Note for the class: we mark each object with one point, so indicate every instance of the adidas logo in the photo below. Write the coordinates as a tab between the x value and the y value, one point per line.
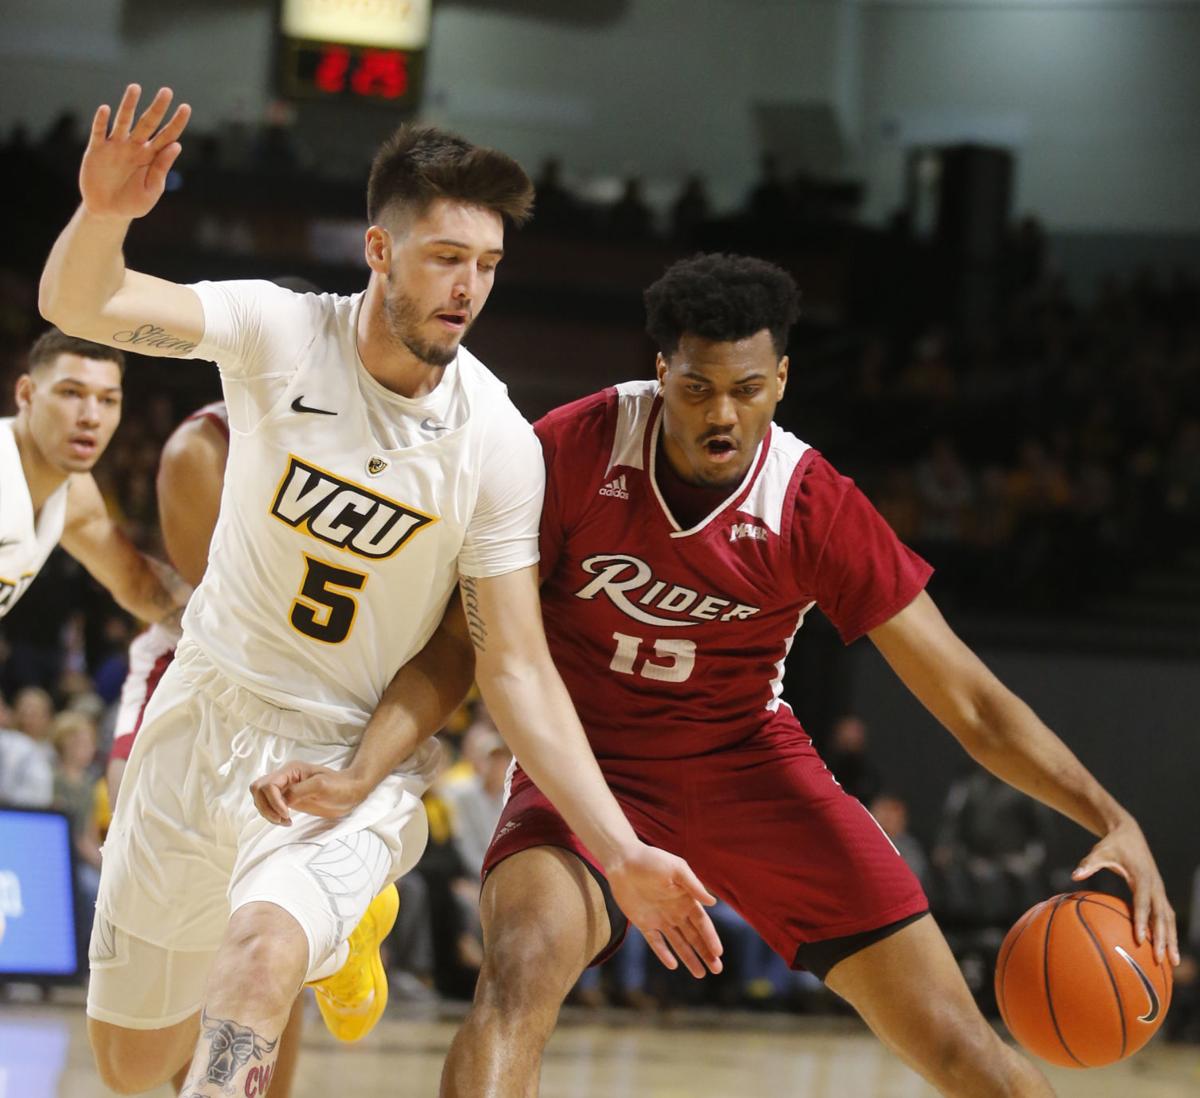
616	488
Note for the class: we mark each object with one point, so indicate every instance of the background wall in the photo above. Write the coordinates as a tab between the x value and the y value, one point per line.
1132	720
1097	96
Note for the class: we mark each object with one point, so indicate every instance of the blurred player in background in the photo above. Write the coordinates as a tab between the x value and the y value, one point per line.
373	464
68	406
191	473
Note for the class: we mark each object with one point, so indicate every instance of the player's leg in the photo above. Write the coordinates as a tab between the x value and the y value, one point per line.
851	911
544	920
161	905
909	990
130	1061
299	896
255	978
284	1075
143	1007
289	1052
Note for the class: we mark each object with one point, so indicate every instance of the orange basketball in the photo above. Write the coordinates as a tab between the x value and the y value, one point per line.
1073	985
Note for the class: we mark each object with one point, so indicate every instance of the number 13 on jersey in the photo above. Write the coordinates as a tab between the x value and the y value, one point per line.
672	660
323	609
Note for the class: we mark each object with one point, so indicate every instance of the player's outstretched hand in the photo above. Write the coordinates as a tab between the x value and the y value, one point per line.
664	899
1124	850
125	166
306	787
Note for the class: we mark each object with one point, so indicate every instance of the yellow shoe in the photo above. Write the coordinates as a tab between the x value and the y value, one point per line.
353	999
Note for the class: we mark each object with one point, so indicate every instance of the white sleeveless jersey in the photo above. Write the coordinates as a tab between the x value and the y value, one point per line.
334	556
24	544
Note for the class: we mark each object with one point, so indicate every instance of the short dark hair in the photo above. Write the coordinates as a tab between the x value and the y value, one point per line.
723	298
419	164
52	343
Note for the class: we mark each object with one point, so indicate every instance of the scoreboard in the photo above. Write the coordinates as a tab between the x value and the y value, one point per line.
366	50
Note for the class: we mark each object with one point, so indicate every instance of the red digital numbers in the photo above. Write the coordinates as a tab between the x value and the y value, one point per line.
374	74
331	69
382	73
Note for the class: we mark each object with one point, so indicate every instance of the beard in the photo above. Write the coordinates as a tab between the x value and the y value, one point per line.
403	317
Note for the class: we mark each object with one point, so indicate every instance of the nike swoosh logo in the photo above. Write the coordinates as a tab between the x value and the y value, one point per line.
1155	1006
298	405
427	424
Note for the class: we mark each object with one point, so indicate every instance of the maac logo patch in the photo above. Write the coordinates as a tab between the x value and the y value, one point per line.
344	514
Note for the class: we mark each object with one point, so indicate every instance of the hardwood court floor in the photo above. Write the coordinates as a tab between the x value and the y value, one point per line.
44	1054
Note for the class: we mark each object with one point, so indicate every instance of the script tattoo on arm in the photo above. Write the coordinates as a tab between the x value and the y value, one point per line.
475	626
231	1047
151	335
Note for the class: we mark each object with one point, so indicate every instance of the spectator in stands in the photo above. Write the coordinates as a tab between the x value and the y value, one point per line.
473	753
945	492
74	737
26	768
558	210
768	205
33	713
991	851
475	803
848	761
891	812
630	218
457	953
690	210
410	947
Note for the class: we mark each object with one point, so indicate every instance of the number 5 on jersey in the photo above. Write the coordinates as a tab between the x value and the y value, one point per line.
673	662
321	610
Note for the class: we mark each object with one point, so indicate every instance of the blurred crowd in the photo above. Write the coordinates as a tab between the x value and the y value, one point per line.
983	865
1045	461
1053	465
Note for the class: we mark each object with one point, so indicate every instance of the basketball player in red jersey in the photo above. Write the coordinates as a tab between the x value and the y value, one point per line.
683	540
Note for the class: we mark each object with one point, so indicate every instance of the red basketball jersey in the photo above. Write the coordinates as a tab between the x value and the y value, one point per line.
672	641
216	413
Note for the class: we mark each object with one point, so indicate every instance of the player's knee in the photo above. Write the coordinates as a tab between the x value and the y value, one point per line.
523	973
970	1058
265	957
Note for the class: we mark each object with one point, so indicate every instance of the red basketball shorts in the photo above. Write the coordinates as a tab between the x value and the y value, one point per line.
763	825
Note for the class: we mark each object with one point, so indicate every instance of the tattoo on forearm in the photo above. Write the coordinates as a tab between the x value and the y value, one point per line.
231	1047
475	626
151	335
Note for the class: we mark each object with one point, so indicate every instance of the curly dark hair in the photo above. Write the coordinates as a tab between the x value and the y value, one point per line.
419	164
722	298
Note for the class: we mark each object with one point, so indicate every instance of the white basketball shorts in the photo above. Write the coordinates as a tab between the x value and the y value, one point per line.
187	847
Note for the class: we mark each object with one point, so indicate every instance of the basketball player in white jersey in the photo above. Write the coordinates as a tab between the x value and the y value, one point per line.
68	406
374	464
191	475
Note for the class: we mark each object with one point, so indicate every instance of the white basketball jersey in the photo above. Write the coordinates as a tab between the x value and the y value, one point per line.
333	557
24	544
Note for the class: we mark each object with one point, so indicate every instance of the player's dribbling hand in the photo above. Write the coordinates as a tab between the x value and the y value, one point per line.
1124	850
125	167
664	899
306	787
